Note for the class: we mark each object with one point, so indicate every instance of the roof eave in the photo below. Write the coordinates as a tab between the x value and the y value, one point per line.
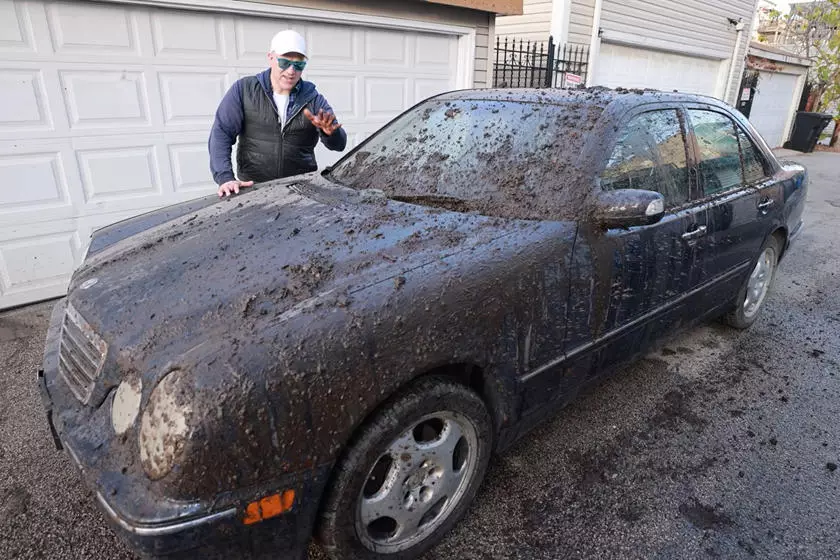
756	49
500	7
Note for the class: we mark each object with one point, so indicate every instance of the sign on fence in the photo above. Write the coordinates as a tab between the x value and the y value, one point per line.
573	79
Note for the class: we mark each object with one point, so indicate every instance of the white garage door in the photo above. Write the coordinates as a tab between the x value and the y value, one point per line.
633	67
772	106
106	110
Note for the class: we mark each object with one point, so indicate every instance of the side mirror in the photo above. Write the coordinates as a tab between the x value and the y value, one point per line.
627	208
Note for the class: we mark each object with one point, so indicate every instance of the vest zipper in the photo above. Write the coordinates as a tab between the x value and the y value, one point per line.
283	135
282	160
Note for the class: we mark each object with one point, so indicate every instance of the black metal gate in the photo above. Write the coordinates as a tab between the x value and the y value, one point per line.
534	64
746	94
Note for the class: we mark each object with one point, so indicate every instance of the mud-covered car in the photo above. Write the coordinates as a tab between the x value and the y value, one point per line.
339	354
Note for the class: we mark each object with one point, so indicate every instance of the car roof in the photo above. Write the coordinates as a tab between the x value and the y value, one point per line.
598	96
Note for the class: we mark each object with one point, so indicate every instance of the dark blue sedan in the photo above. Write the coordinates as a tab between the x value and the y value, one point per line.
338	355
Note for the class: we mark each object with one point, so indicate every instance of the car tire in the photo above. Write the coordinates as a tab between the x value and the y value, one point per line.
409	475
753	293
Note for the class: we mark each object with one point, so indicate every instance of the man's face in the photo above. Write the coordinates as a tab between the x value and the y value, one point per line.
289	77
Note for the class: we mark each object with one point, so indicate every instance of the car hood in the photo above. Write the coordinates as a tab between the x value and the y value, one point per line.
208	264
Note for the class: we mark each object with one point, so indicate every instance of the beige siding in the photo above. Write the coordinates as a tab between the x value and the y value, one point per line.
534	24
580	21
422	11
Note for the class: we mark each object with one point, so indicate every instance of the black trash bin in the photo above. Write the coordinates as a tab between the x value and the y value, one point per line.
807	129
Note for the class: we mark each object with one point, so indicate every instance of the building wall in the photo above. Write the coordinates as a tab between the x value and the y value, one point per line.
422	11
533	25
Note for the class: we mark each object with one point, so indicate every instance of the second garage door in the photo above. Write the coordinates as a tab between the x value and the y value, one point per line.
771	109
635	67
106	112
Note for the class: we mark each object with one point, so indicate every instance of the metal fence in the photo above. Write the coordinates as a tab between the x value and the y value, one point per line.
521	64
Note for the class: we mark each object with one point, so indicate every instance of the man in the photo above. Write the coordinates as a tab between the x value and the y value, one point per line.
278	119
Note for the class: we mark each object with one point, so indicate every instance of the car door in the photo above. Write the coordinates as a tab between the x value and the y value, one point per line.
630	285
742	196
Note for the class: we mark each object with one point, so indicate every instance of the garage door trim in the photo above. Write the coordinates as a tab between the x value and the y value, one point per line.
466	35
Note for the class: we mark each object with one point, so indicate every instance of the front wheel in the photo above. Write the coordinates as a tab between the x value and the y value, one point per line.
410	474
753	293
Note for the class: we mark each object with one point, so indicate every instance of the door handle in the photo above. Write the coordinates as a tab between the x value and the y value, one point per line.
765	205
700	231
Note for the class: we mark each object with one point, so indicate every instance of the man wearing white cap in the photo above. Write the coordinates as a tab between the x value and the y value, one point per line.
276	117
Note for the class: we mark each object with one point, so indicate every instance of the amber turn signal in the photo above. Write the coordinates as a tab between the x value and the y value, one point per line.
268	507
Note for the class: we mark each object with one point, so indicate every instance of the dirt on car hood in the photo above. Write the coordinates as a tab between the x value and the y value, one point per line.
261	253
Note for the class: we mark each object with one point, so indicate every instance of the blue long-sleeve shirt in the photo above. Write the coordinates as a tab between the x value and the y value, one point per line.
230	117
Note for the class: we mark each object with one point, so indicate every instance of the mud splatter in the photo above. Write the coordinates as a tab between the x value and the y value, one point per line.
304	279
704	516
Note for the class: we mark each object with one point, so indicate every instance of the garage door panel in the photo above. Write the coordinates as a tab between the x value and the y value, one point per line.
84	28
32	182
15	28
432	51
386	48
191	97
340	91
385	97
186	34
332	44
253	35
24	106
118	173
426	87
105	98
39	261
190	165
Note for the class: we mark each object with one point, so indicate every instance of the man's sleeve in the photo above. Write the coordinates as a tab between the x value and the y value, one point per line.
226	128
337	141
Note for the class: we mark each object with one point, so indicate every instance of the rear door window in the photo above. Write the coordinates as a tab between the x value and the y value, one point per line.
650	155
719	151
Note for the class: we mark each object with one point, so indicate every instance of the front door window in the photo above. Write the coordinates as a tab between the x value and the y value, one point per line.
650	155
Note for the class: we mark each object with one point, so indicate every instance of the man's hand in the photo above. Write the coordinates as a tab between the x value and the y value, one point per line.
226	189
325	122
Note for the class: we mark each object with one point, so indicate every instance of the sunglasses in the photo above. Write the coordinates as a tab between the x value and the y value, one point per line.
284	63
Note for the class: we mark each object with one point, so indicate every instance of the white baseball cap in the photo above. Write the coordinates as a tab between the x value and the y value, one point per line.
288	41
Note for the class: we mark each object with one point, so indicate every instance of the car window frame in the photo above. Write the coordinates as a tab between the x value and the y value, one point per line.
694	192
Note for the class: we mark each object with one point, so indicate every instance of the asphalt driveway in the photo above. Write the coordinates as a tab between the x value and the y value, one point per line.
723	444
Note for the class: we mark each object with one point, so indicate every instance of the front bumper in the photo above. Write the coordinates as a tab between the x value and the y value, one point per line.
169	529
217	535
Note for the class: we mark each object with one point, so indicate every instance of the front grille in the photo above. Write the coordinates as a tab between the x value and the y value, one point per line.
81	354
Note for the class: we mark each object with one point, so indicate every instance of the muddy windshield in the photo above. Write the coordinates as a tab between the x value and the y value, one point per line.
499	158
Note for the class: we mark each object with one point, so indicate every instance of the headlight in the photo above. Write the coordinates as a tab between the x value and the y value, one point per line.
126	405
165	426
